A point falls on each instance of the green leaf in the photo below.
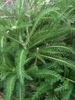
(20, 59)
(63, 86)
(20, 88)
(28, 77)
(63, 62)
(43, 88)
(9, 86)
(39, 17)
(32, 69)
(66, 95)
(45, 73)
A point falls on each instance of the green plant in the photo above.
(36, 58)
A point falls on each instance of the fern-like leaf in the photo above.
(46, 73)
(20, 61)
(32, 69)
(62, 87)
(66, 94)
(44, 87)
(39, 17)
(9, 87)
(19, 91)
(63, 62)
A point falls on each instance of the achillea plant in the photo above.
(36, 60)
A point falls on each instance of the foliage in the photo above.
(37, 50)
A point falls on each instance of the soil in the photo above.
(1, 98)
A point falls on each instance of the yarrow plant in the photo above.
(37, 50)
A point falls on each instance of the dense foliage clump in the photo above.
(37, 55)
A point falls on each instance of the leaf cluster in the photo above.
(37, 50)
